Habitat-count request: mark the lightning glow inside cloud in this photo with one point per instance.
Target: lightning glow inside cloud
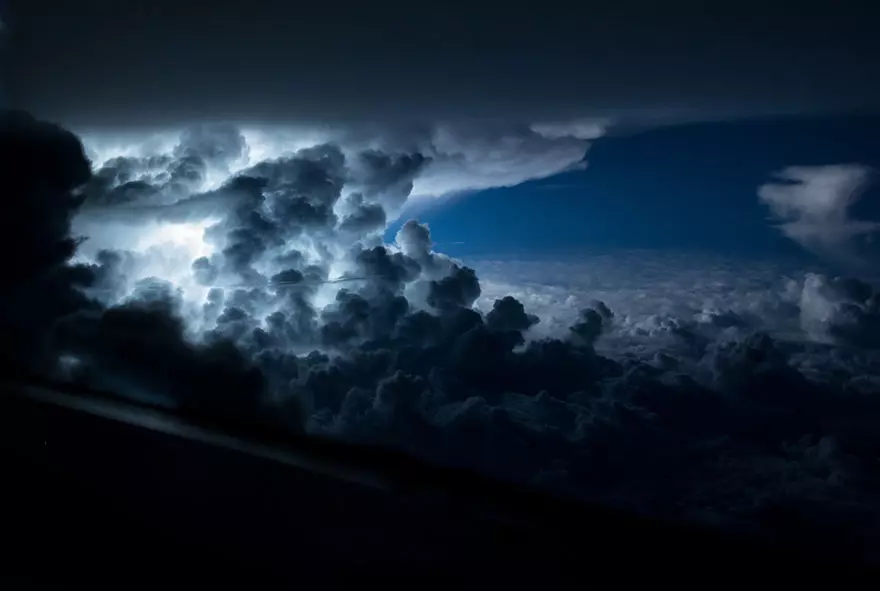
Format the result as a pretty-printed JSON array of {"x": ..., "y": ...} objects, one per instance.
[
  {"x": 188, "y": 237},
  {"x": 251, "y": 283},
  {"x": 186, "y": 178}
]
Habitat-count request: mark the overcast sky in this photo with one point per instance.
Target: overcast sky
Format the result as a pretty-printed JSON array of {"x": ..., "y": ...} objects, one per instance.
[{"x": 162, "y": 62}]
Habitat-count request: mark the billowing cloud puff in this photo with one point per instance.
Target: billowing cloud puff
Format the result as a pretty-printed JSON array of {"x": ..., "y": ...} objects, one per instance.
[
  {"x": 813, "y": 205},
  {"x": 390, "y": 165},
  {"x": 691, "y": 389},
  {"x": 844, "y": 311}
]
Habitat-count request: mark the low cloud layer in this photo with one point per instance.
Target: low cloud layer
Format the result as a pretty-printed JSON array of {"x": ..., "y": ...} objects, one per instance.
[
  {"x": 688, "y": 389},
  {"x": 814, "y": 205}
]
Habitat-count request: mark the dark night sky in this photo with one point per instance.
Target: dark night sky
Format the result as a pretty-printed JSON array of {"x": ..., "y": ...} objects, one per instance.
[{"x": 110, "y": 63}]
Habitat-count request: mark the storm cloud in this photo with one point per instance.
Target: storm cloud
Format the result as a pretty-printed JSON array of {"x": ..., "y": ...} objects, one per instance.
[
  {"x": 39, "y": 204},
  {"x": 270, "y": 297},
  {"x": 390, "y": 166}
]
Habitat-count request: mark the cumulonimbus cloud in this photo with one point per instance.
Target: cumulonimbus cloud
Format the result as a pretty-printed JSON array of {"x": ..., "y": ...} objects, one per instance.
[
  {"x": 813, "y": 205},
  {"x": 270, "y": 298},
  {"x": 456, "y": 157}
]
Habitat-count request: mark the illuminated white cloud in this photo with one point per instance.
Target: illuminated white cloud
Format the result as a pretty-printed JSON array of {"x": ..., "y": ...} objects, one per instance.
[
  {"x": 464, "y": 158},
  {"x": 265, "y": 144},
  {"x": 262, "y": 145},
  {"x": 491, "y": 155},
  {"x": 187, "y": 237},
  {"x": 101, "y": 148},
  {"x": 813, "y": 203},
  {"x": 163, "y": 221},
  {"x": 157, "y": 249}
]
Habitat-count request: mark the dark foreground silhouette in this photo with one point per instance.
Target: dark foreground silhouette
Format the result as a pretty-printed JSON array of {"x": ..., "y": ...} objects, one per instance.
[{"x": 99, "y": 490}]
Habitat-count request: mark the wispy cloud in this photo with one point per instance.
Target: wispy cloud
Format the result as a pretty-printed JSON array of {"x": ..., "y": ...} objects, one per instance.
[{"x": 813, "y": 203}]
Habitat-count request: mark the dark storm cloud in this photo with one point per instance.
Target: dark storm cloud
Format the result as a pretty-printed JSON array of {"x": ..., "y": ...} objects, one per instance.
[
  {"x": 459, "y": 289},
  {"x": 241, "y": 196},
  {"x": 165, "y": 62},
  {"x": 137, "y": 347},
  {"x": 316, "y": 173},
  {"x": 143, "y": 181},
  {"x": 389, "y": 177},
  {"x": 219, "y": 144},
  {"x": 42, "y": 164},
  {"x": 592, "y": 322},
  {"x": 386, "y": 165},
  {"x": 717, "y": 421},
  {"x": 841, "y": 310},
  {"x": 390, "y": 270},
  {"x": 509, "y": 314},
  {"x": 200, "y": 150},
  {"x": 363, "y": 217},
  {"x": 140, "y": 348}
]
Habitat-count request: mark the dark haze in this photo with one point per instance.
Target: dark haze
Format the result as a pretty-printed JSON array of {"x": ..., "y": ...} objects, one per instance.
[{"x": 160, "y": 63}]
